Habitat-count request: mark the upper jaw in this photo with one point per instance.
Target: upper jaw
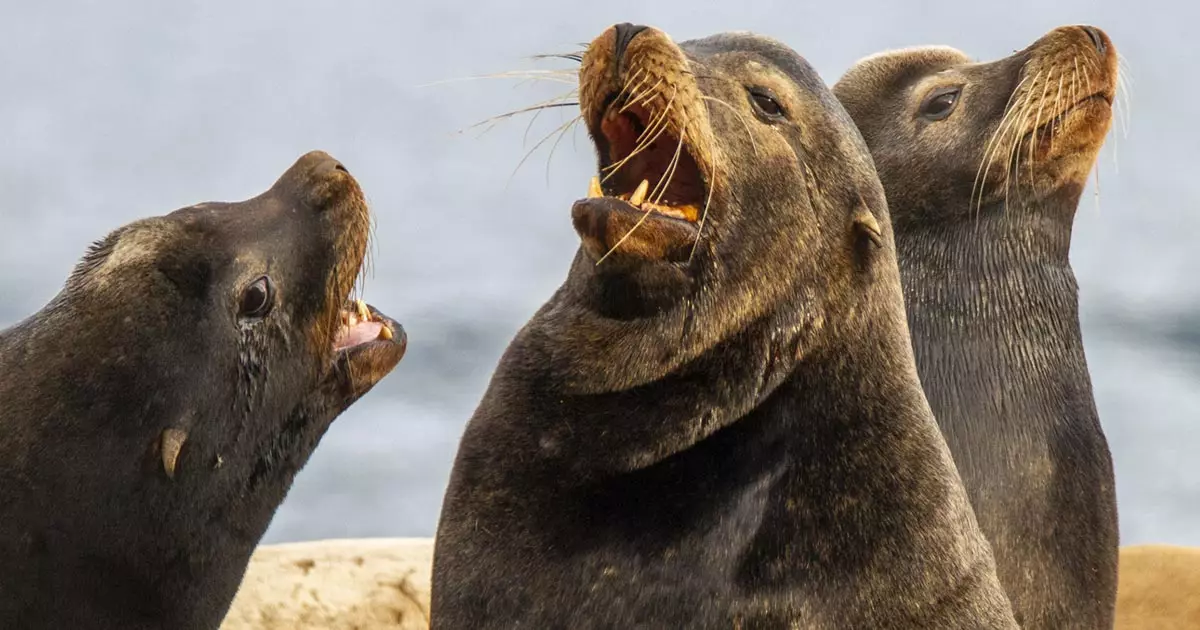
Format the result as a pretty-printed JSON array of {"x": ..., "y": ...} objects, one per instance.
[{"x": 650, "y": 195}]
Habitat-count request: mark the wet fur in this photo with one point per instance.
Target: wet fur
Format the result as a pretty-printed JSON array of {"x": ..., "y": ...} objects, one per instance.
[
  {"x": 993, "y": 305},
  {"x": 737, "y": 441},
  {"x": 143, "y": 337}
]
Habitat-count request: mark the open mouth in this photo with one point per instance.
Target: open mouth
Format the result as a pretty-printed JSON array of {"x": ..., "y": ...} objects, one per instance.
[
  {"x": 363, "y": 325},
  {"x": 646, "y": 164}
]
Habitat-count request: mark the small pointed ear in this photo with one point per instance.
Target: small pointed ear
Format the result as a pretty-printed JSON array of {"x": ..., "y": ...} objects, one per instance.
[
  {"x": 170, "y": 444},
  {"x": 866, "y": 225}
]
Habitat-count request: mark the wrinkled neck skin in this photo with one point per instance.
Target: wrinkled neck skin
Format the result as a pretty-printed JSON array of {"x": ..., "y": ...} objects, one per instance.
[
  {"x": 993, "y": 307},
  {"x": 604, "y": 349},
  {"x": 92, "y": 532}
]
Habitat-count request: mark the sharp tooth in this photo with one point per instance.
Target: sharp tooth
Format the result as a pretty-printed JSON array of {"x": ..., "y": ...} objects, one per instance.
[
  {"x": 171, "y": 444},
  {"x": 385, "y": 332},
  {"x": 594, "y": 189},
  {"x": 364, "y": 314},
  {"x": 639, "y": 195}
]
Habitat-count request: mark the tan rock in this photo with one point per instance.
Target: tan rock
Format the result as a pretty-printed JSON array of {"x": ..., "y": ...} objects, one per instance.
[
  {"x": 1158, "y": 588},
  {"x": 353, "y": 584},
  {"x": 365, "y": 584}
]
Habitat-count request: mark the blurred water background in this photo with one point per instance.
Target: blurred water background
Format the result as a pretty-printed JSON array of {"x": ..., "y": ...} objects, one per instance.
[{"x": 112, "y": 111}]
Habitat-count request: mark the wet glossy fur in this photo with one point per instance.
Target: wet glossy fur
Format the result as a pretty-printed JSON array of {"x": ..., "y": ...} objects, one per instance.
[{"x": 736, "y": 442}]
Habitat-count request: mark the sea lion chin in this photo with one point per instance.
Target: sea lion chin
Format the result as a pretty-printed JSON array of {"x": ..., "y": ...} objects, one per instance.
[
  {"x": 983, "y": 165},
  {"x": 715, "y": 422},
  {"x": 156, "y": 411}
]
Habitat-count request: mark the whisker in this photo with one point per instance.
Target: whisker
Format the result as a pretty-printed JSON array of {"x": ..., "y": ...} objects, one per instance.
[
  {"x": 643, "y": 144},
  {"x": 648, "y": 94},
  {"x": 523, "y": 110},
  {"x": 642, "y": 220},
  {"x": 535, "y": 148},
  {"x": 533, "y": 119},
  {"x": 712, "y": 186},
  {"x": 989, "y": 149},
  {"x": 557, "y": 76},
  {"x": 669, "y": 173},
  {"x": 577, "y": 57},
  {"x": 741, "y": 118},
  {"x": 567, "y": 127}
]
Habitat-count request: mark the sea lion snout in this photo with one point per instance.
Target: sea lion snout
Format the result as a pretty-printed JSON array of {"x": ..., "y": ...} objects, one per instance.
[
  {"x": 1099, "y": 39},
  {"x": 314, "y": 178},
  {"x": 625, "y": 32}
]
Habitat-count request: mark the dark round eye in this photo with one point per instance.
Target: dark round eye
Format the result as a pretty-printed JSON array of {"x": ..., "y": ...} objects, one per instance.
[
  {"x": 940, "y": 103},
  {"x": 257, "y": 299},
  {"x": 765, "y": 102}
]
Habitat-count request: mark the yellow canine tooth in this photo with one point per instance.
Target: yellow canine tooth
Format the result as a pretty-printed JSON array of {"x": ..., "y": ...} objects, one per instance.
[
  {"x": 594, "y": 189},
  {"x": 639, "y": 195},
  {"x": 386, "y": 333},
  {"x": 364, "y": 314}
]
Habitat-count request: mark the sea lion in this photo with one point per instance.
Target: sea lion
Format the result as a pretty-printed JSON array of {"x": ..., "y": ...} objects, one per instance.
[
  {"x": 156, "y": 411},
  {"x": 983, "y": 165},
  {"x": 719, "y": 423}
]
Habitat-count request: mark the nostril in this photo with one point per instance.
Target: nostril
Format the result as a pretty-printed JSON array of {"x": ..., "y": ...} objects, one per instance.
[
  {"x": 342, "y": 168},
  {"x": 1097, "y": 38},
  {"x": 625, "y": 34}
]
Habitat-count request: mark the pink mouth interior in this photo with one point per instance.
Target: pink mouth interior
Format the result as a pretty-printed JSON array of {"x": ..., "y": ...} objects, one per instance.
[{"x": 358, "y": 334}]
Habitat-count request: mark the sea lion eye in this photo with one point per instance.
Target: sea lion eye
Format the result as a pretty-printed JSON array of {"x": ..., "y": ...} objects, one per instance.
[
  {"x": 765, "y": 102},
  {"x": 940, "y": 103},
  {"x": 257, "y": 299}
]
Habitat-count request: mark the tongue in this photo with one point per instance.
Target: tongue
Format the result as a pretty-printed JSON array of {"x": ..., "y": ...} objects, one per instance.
[{"x": 359, "y": 333}]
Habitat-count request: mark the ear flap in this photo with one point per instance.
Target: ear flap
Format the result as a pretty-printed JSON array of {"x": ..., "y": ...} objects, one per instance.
[
  {"x": 865, "y": 225},
  {"x": 170, "y": 445}
]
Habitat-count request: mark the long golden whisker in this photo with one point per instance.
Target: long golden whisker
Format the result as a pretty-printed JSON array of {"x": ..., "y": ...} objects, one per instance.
[
  {"x": 1036, "y": 136},
  {"x": 712, "y": 185},
  {"x": 642, "y": 220},
  {"x": 540, "y": 143},
  {"x": 1013, "y": 179},
  {"x": 996, "y": 139},
  {"x": 644, "y": 142},
  {"x": 565, "y": 128},
  {"x": 533, "y": 119},
  {"x": 557, "y": 76},
  {"x": 523, "y": 110},
  {"x": 668, "y": 173},
  {"x": 1057, "y": 95},
  {"x": 577, "y": 57},
  {"x": 741, "y": 118},
  {"x": 629, "y": 87},
  {"x": 645, "y": 96}
]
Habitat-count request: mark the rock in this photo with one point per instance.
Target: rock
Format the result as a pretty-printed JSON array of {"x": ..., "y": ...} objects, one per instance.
[
  {"x": 1158, "y": 588},
  {"x": 353, "y": 584},
  {"x": 373, "y": 583}
]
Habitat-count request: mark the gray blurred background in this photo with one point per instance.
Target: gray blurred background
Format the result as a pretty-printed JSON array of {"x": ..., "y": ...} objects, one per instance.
[{"x": 118, "y": 110}]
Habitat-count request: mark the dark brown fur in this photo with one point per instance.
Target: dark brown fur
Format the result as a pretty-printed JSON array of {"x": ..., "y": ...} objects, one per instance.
[
  {"x": 145, "y": 337},
  {"x": 992, "y": 300},
  {"x": 734, "y": 439}
]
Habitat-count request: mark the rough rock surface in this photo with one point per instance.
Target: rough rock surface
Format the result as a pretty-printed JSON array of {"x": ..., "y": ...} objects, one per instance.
[
  {"x": 1158, "y": 588},
  {"x": 376, "y": 583},
  {"x": 353, "y": 584}
]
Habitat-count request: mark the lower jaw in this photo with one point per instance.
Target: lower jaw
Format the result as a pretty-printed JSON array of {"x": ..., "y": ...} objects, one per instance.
[{"x": 611, "y": 229}]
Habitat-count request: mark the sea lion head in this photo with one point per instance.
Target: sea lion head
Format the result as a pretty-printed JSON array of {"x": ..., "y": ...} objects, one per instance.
[
  {"x": 1004, "y": 134},
  {"x": 162, "y": 403},
  {"x": 725, "y": 188}
]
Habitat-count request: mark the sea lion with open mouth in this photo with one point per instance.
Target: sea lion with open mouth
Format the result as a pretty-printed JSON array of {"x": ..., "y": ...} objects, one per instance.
[
  {"x": 154, "y": 413},
  {"x": 716, "y": 421},
  {"x": 983, "y": 165}
]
